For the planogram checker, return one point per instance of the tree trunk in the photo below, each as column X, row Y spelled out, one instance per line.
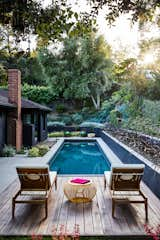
column 96, row 102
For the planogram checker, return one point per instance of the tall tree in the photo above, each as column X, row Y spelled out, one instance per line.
column 96, row 68
column 82, row 69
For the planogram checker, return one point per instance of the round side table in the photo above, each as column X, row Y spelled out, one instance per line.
column 80, row 193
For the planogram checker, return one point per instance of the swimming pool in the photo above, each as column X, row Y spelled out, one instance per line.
column 80, row 157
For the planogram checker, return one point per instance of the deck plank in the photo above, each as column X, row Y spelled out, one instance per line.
column 93, row 218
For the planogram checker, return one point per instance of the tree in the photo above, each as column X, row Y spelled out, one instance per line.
column 55, row 21
column 82, row 69
column 140, row 10
column 96, row 68
column 62, row 69
column 3, row 75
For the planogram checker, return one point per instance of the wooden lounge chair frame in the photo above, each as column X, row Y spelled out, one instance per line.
column 34, row 181
column 125, row 180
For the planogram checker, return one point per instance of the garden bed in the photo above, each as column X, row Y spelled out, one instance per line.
column 147, row 146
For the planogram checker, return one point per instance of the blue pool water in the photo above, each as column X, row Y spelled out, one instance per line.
column 79, row 157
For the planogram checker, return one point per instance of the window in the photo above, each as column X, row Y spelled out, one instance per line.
column 27, row 118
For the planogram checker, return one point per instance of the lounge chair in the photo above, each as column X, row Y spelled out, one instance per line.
column 35, row 184
column 124, row 184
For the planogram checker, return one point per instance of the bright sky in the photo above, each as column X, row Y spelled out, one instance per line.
column 120, row 36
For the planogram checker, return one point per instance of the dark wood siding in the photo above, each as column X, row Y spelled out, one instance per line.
column 2, row 129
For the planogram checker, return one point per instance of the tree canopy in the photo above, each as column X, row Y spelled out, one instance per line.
column 82, row 69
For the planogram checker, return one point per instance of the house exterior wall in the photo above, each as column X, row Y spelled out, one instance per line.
column 28, row 135
column 42, row 132
column 34, row 130
column 2, row 129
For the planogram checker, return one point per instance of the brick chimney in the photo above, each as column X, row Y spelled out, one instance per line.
column 14, row 135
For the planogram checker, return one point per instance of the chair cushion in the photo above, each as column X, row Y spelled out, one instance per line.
column 52, row 176
column 128, row 166
column 33, row 167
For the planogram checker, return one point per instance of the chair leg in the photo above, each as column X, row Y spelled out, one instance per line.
column 13, row 207
column 146, row 209
column 104, row 183
column 56, row 183
column 46, row 208
column 113, row 207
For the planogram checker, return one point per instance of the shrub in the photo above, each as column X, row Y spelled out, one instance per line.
column 8, row 151
column 52, row 118
column 56, row 134
column 144, row 125
column 77, row 118
column 92, row 125
column 75, row 134
column 55, row 124
column 60, row 108
column 40, row 94
column 67, row 120
column 33, row 152
column 151, row 109
column 67, row 134
column 114, row 117
column 43, row 149
column 83, row 134
column 21, row 151
column 85, row 109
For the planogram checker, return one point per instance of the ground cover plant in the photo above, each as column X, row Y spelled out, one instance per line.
column 8, row 151
column 38, row 151
column 68, row 134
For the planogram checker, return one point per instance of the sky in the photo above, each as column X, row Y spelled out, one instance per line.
column 120, row 36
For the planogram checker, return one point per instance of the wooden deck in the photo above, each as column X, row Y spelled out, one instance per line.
column 93, row 218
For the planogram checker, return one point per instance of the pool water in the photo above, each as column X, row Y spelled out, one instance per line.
column 80, row 158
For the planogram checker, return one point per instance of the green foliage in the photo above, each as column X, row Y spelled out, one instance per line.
column 138, row 9
column 8, row 151
column 85, row 110
column 55, row 124
column 83, row 134
column 33, row 152
column 43, row 149
column 48, row 23
column 83, row 62
column 60, row 108
column 21, row 151
column 56, row 134
column 67, row 119
column 92, row 125
column 114, row 117
column 3, row 75
column 67, row 134
column 31, row 70
column 40, row 94
column 143, row 125
column 77, row 118
column 153, row 91
column 75, row 134
column 151, row 110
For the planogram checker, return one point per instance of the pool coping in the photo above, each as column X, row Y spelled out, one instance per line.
column 104, row 147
